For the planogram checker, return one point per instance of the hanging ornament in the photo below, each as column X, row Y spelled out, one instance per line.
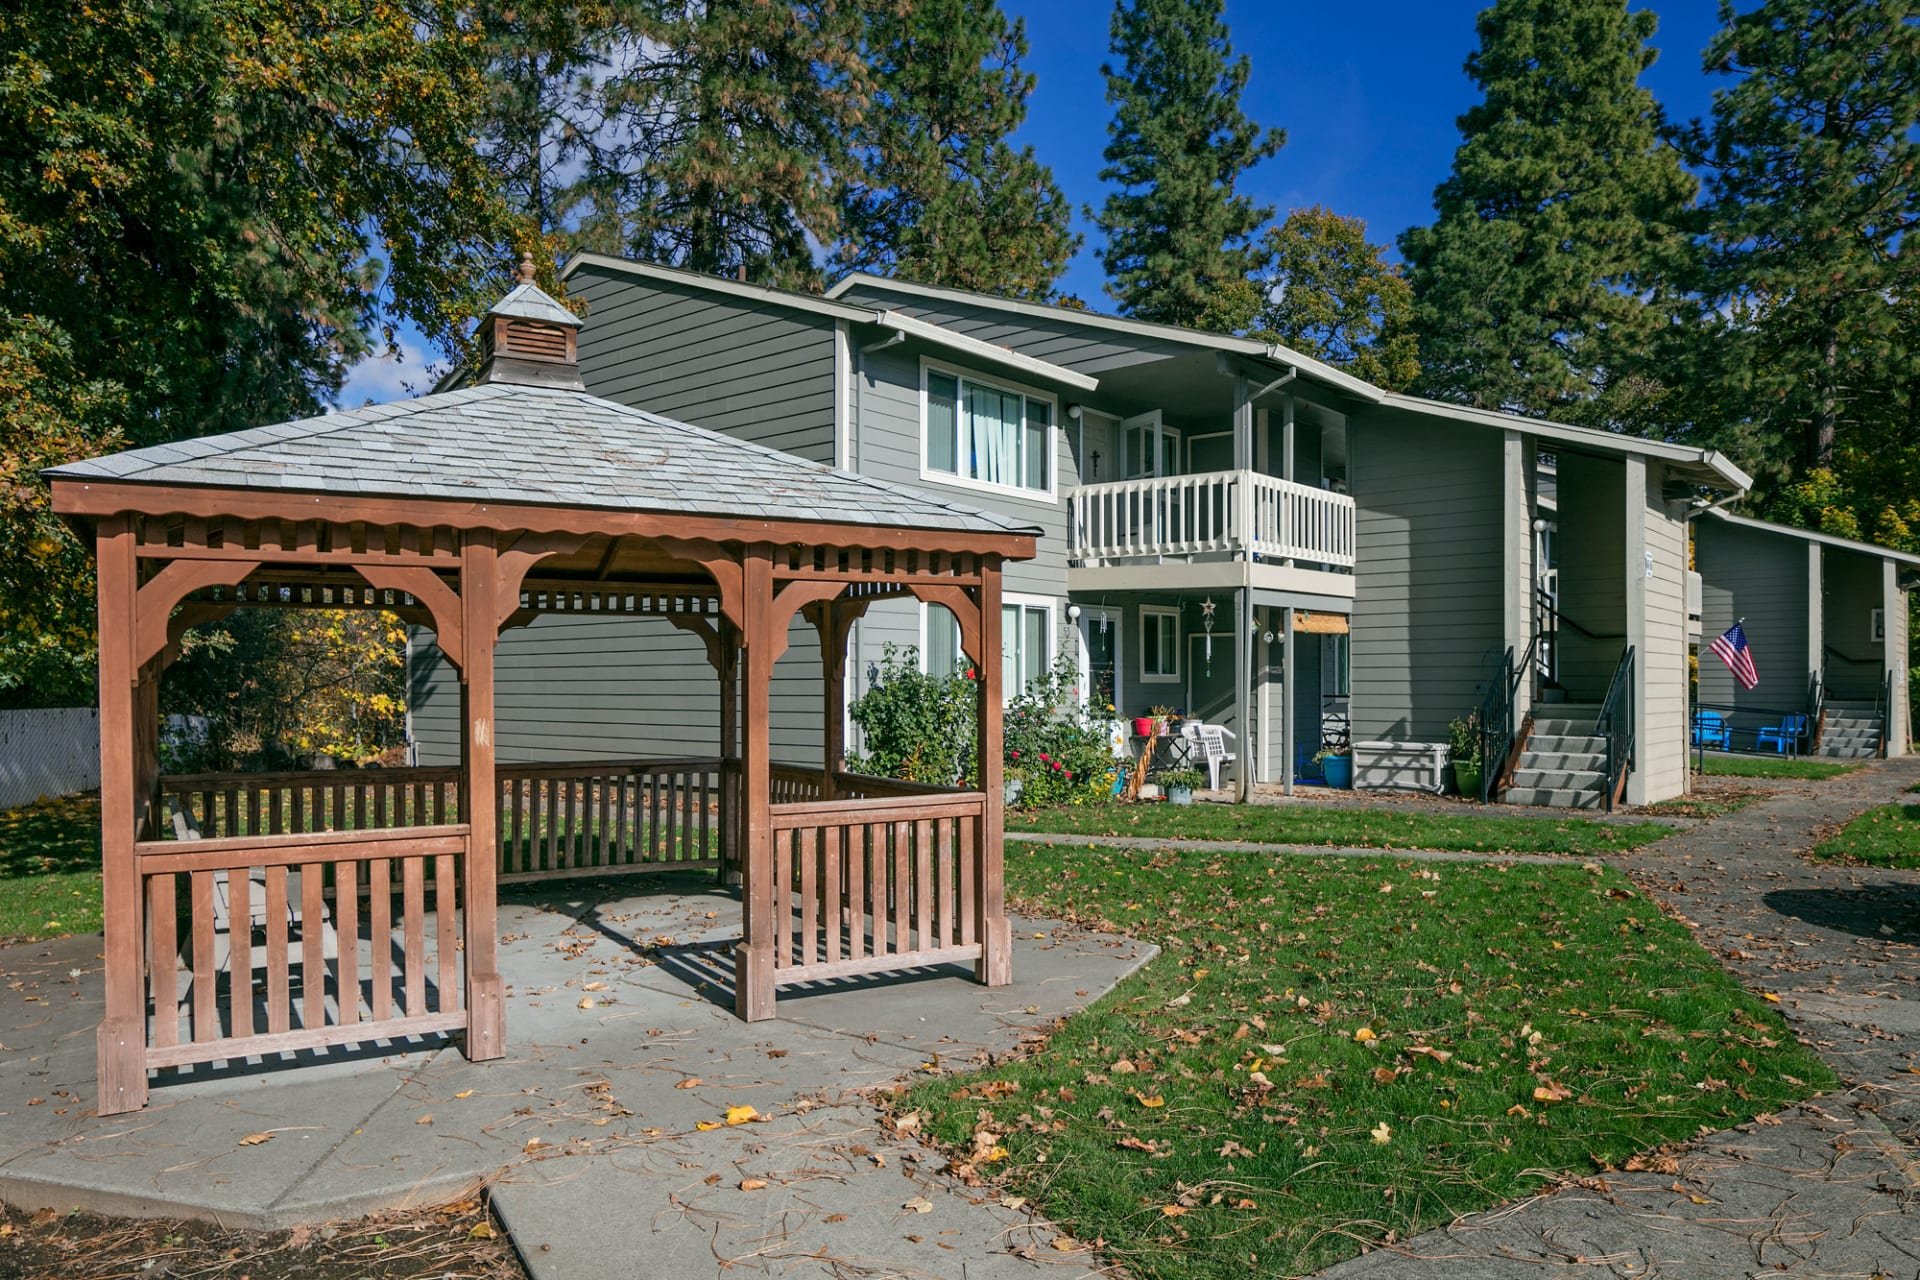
column 1206, row 621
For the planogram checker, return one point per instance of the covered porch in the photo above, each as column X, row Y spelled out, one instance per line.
column 260, row 914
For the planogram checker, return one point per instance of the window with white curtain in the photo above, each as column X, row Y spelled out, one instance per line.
column 982, row 433
column 1026, row 642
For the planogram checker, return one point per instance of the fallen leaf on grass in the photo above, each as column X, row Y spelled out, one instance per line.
column 1150, row 1102
column 482, row 1231
column 1382, row 1134
column 1172, row 1210
column 1365, row 1034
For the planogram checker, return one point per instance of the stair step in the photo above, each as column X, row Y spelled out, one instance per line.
column 1565, row 744
column 1563, row 725
column 1559, row 780
column 1552, row 798
column 1593, row 761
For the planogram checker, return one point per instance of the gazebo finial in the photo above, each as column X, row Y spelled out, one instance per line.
column 525, row 272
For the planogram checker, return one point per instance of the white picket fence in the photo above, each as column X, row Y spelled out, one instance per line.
column 50, row 751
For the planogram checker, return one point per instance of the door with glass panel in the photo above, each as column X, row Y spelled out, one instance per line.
column 1100, row 643
column 1149, row 450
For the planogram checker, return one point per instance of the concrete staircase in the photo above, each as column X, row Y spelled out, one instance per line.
column 1851, row 731
column 1563, row 764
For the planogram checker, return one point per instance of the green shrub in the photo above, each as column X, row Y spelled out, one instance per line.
column 920, row 726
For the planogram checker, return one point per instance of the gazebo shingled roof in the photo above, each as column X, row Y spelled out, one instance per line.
column 510, row 442
column 475, row 510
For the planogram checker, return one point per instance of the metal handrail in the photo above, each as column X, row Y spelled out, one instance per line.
column 1498, row 729
column 1544, row 601
column 1615, row 724
column 1832, row 652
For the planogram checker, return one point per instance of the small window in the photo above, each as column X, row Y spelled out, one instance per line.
column 984, row 434
column 940, row 652
column 1159, row 643
column 1026, row 644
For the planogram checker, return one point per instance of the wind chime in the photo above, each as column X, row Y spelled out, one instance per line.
column 1206, row 622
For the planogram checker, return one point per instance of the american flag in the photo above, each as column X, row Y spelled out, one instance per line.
column 1731, row 648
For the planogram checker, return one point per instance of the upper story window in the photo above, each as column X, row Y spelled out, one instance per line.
column 988, row 434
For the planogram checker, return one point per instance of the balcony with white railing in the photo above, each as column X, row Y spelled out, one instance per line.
column 1211, row 515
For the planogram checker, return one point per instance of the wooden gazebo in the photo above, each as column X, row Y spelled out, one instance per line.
column 260, row 914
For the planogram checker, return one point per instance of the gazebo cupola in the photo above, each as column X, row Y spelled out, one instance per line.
column 527, row 337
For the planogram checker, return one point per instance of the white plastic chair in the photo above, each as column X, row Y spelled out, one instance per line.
column 1213, row 747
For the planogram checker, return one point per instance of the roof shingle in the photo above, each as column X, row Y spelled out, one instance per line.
column 504, row 442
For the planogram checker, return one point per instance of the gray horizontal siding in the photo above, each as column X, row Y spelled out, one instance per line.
column 750, row 368
column 1428, row 613
column 598, row 688
column 1762, row 577
column 1082, row 347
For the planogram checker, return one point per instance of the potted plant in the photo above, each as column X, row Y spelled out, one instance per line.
column 1464, row 738
column 1336, row 766
column 1163, row 718
column 1145, row 727
column 1181, row 783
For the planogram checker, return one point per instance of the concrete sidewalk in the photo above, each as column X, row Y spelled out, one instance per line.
column 622, row 1044
column 1830, row 1189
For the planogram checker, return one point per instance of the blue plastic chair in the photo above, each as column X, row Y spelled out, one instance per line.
column 1710, row 730
column 1784, row 736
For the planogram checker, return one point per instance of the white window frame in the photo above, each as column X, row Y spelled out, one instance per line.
column 1160, row 611
column 1196, row 438
column 1051, row 494
column 1009, row 599
column 1090, row 617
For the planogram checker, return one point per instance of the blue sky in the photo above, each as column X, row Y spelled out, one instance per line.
column 1368, row 93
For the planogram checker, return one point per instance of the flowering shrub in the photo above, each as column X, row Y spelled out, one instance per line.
column 921, row 727
column 1060, row 752
column 916, row 725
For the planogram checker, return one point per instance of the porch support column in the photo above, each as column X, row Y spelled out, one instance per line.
column 121, row 1044
column 1519, row 574
column 481, row 617
column 1635, row 516
column 1243, row 692
column 753, row 960
column 1816, row 613
column 1893, row 633
column 1289, row 716
column 995, row 966
column 1286, row 473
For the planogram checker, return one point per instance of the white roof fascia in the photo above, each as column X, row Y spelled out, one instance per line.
column 720, row 284
column 1587, row 437
column 1138, row 328
column 961, row 344
column 925, row 330
column 1825, row 539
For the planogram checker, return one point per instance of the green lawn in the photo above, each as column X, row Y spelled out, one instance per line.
column 50, row 869
column 1887, row 836
column 1773, row 767
column 1331, row 1050
column 1341, row 826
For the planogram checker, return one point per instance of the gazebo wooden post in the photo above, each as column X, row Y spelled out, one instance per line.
column 727, row 668
column 122, row 1037
column 995, row 966
column 753, row 966
column 481, row 618
column 833, row 670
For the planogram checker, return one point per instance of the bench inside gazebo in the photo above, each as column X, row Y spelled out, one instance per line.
column 249, row 915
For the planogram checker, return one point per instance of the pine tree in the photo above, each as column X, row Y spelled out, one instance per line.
column 1815, row 160
column 937, row 193
column 1550, row 270
column 1331, row 294
column 733, row 118
column 1179, row 233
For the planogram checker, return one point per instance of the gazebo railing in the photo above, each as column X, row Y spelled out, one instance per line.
column 556, row 819
column 259, row 944
column 867, row 884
